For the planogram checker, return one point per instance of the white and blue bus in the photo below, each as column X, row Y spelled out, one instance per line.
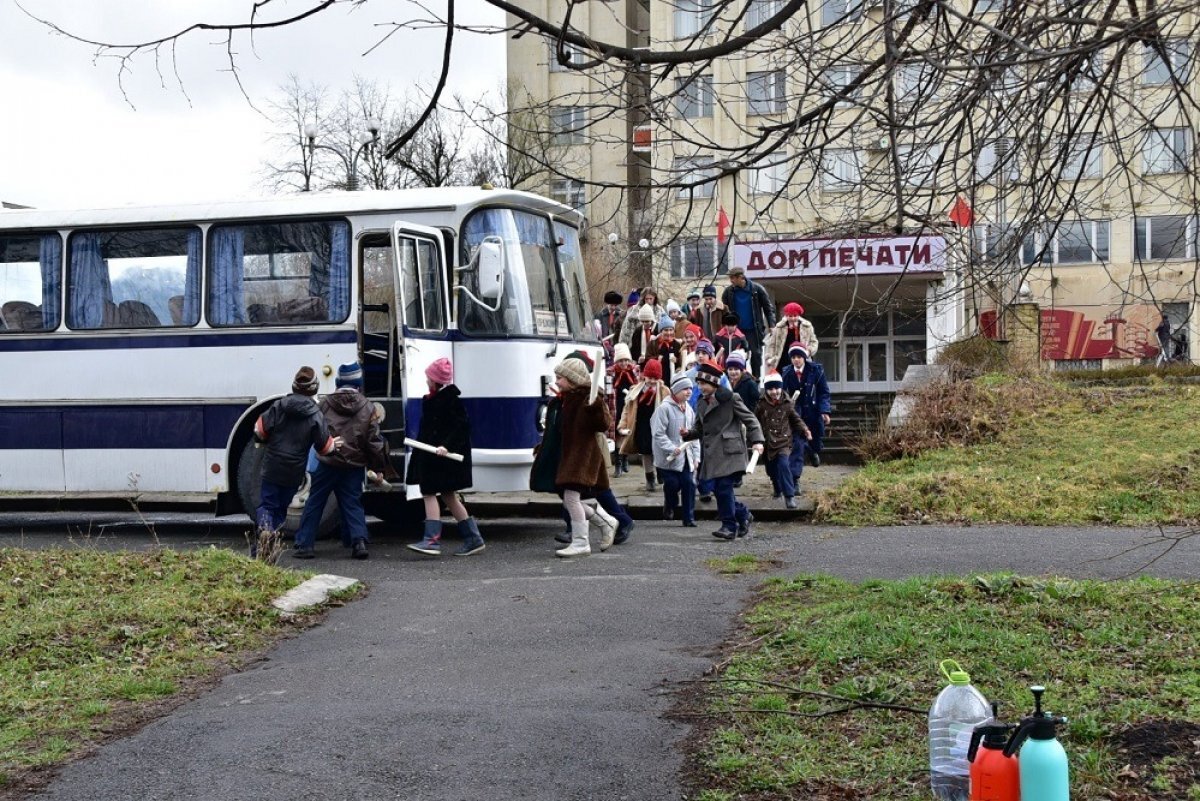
column 140, row 344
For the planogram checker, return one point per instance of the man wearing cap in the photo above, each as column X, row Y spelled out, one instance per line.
column 755, row 311
column 288, row 428
column 792, row 328
column 675, row 459
column 804, row 380
column 611, row 316
column 708, row 316
column 723, row 426
column 693, row 302
column 349, row 416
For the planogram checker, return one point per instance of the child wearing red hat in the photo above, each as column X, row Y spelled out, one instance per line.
column 640, row 404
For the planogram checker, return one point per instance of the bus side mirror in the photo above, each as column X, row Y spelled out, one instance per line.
column 490, row 266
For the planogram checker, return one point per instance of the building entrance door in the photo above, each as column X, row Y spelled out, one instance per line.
column 868, row 352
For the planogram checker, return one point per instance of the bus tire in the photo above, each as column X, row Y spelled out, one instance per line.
column 249, row 483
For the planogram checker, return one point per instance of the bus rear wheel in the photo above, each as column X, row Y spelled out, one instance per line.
column 249, row 483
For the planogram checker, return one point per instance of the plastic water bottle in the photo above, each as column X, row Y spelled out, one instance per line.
column 959, row 708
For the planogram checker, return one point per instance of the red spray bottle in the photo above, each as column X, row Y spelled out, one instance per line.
column 994, row 776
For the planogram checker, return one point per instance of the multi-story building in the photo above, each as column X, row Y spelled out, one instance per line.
column 837, row 167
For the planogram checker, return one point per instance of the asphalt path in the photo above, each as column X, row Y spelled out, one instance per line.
column 510, row 674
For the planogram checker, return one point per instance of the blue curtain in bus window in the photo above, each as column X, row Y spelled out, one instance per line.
column 90, row 290
column 50, row 256
column 191, row 282
column 339, row 271
column 226, row 303
column 329, row 271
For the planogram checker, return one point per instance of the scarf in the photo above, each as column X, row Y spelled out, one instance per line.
column 649, row 395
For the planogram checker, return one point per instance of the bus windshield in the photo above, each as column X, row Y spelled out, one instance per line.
column 533, row 303
column 578, row 309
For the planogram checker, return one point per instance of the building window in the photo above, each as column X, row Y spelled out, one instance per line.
column 573, row 53
column 834, row 12
column 998, row 161
column 569, row 192
column 692, row 17
column 693, row 258
column 1166, row 150
column 1081, row 158
column 762, row 10
column 1081, row 242
column 696, row 168
column 840, row 170
column 134, row 278
column 997, row 244
column 1175, row 67
column 765, row 92
column 919, row 163
column 694, row 97
column 1167, row 237
column 915, row 81
column 772, row 177
column 567, row 124
column 838, row 77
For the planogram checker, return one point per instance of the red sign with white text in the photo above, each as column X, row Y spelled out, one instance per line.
column 803, row 258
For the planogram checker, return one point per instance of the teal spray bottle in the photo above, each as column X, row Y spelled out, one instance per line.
column 1042, row 761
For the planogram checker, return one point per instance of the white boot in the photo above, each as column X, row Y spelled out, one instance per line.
column 604, row 527
column 579, row 541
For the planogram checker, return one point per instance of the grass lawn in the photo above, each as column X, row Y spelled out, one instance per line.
column 1128, row 455
column 1118, row 659
column 91, row 641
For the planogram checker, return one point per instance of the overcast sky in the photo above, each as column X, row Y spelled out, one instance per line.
column 68, row 138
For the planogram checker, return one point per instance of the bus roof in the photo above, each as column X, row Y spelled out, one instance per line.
column 303, row 204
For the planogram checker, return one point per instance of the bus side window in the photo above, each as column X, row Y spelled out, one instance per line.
column 30, row 277
column 279, row 273
column 127, row 278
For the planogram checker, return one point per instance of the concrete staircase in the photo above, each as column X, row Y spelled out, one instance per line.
column 853, row 415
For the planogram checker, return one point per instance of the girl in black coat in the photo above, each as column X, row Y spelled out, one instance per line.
column 445, row 426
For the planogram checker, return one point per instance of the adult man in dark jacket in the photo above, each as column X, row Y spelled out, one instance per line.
column 611, row 316
column 288, row 428
column 805, row 379
column 708, row 315
column 350, row 416
column 754, row 309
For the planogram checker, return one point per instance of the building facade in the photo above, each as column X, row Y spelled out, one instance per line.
column 782, row 158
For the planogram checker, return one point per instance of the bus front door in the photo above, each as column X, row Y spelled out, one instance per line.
column 422, row 324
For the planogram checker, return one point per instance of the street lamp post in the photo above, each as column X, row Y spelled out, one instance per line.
column 366, row 140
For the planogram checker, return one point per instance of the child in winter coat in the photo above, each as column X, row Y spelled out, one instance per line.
column 624, row 376
column 740, row 381
column 668, row 353
column 640, row 404
column 350, row 416
column 444, row 424
column 675, row 459
column 580, row 468
column 288, row 428
column 780, row 423
column 729, row 338
column 723, row 426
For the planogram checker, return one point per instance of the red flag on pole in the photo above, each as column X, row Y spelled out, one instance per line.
column 962, row 215
column 722, row 226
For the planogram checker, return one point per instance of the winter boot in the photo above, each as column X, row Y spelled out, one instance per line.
column 579, row 541
column 432, row 544
column 472, row 541
column 604, row 527
column 624, row 463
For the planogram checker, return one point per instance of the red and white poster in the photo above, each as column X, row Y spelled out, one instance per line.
column 1092, row 332
column 805, row 258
